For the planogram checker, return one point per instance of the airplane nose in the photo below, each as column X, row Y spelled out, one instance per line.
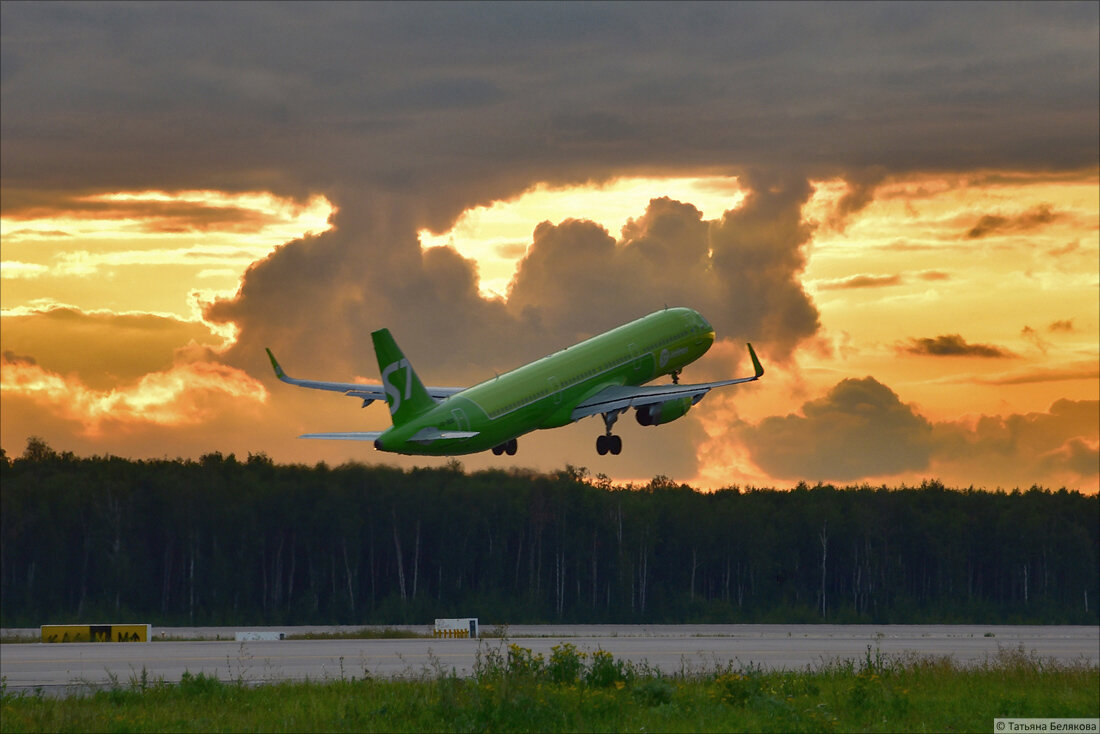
column 378, row 444
column 706, row 331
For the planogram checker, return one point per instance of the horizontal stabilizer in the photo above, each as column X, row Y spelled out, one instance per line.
column 352, row 436
column 429, row 434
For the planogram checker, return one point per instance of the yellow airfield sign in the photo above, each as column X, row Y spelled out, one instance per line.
column 96, row 632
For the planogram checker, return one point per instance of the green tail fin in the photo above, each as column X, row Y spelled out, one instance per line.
column 405, row 392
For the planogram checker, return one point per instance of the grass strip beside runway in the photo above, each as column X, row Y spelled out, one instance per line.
column 513, row 689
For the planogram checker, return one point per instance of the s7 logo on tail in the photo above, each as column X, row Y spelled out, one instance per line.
column 393, row 391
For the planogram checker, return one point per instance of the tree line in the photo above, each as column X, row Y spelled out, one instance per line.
column 224, row 541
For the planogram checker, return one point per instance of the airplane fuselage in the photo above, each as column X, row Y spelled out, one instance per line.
column 542, row 394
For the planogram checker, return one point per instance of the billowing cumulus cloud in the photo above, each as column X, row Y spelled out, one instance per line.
column 860, row 428
column 576, row 279
column 1077, row 456
column 1020, row 449
column 742, row 271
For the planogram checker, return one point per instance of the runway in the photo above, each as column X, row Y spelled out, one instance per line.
column 63, row 667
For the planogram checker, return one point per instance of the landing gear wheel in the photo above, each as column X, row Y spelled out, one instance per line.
column 498, row 450
column 609, row 444
column 511, row 447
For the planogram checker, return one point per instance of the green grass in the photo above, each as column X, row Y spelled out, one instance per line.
column 514, row 690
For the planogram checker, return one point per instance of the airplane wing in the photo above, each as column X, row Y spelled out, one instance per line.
column 621, row 397
column 367, row 393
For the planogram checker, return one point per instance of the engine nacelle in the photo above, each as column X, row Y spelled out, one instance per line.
column 666, row 412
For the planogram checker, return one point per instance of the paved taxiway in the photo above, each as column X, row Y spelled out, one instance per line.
column 60, row 667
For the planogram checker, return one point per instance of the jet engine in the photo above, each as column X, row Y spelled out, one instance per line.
column 656, row 414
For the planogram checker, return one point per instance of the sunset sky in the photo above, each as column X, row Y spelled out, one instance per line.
column 898, row 204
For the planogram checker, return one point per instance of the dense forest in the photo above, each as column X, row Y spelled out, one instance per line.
column 223, row 541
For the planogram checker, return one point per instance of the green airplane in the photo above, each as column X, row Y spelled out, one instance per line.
column 604, row 375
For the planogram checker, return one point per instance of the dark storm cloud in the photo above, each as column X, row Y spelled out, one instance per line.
column 293, row 95
column 404, row 115
column 860, row 428
column 952, row 345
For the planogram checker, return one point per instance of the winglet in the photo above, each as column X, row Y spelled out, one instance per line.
column 757, row 369
column 278, row 370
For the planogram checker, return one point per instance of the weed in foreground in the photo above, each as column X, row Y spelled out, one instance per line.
column 514, row 689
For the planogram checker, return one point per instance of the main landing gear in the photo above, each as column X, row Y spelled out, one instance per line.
column 609, row 443
column 508, row 447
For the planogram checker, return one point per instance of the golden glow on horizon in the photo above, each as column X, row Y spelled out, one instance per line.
column 1011, row 261
column 179, row 396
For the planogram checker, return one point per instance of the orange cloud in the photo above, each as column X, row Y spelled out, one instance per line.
column 952, row 345
column 186, row 394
